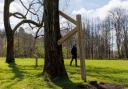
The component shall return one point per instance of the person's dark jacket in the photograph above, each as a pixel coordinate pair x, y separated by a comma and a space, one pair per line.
74, 51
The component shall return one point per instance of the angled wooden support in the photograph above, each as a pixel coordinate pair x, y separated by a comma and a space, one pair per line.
67, 36
67, 17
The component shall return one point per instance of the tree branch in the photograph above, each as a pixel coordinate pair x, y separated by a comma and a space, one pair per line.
25, 21
18, 15
28, 9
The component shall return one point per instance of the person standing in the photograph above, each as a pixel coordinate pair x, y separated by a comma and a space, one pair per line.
74, 55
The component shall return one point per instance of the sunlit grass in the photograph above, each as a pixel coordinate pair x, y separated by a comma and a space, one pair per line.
25, 75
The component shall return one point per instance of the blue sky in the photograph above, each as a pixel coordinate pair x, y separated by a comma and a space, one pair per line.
91, 8
78, 4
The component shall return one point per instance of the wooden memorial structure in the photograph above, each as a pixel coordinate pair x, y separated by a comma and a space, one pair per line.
78, 30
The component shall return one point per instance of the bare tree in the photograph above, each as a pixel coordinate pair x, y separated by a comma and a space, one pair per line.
10, 31
117, 16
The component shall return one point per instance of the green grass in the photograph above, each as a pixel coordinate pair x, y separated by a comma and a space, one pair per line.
24, 75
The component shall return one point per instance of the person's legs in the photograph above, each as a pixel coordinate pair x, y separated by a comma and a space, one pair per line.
71, 61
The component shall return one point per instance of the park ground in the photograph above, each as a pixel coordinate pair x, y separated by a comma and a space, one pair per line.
24, 75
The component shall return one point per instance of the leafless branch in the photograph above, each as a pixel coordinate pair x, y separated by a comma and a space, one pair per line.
18, 15
25, 21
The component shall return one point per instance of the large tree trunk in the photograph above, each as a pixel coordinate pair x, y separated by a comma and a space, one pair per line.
54, 64
9, 33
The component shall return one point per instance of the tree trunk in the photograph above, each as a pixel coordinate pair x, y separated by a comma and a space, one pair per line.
10, 49
9, 33
54, 64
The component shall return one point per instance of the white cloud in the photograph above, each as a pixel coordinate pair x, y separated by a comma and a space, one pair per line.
103, 11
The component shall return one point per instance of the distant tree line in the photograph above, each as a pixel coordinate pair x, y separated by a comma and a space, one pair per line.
103, 39
107, 39
23, 44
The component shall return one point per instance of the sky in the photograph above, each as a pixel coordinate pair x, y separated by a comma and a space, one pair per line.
88, 4
91, 8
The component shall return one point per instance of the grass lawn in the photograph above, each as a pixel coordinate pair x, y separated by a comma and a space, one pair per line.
24, 75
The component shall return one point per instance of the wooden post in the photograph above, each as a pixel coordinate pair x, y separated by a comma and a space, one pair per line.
81, 50
36, 60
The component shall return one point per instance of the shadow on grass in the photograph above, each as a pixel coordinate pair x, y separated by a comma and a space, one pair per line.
107, 73
18, 75
68, 84
30, 67
73, 70
102, 73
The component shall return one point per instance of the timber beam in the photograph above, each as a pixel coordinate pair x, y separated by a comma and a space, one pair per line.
67, 36
67, 17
